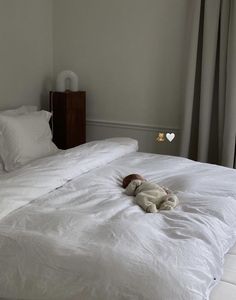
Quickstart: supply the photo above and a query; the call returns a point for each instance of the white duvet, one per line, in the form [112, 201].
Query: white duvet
[68, 231]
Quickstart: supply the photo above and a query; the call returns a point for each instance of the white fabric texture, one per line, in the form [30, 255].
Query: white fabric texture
[24, 138]
[24, 109]
[226, 289]
[69, 231]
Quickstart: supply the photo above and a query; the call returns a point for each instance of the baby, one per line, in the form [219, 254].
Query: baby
[150, 196]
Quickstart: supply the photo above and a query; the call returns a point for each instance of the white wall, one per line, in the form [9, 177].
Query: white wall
[129, 55]
[25, 51]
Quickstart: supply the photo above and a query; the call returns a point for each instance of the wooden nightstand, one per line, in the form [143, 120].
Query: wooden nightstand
[68, 118]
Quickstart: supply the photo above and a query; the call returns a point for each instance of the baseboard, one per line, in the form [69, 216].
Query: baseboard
[145, 134]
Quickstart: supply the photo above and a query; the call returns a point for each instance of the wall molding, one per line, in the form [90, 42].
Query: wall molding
[145, 134]
[130, 126]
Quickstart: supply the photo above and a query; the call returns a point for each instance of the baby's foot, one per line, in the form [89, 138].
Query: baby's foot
[151, 209]
[166, 207]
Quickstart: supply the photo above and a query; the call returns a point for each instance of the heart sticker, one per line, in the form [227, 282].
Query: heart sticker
[170, 136]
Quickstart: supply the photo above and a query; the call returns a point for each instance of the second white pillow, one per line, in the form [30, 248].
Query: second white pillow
[24, 138]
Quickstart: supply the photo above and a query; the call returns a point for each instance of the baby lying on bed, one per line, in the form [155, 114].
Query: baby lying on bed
[150, 196]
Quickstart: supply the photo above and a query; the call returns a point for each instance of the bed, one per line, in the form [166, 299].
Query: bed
[68, 230]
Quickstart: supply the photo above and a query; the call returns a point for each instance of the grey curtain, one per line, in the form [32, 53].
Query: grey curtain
[209, 128]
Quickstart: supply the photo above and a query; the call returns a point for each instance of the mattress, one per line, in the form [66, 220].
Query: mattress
[226, 288]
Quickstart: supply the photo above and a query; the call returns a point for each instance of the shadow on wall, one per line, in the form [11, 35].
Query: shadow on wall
[44, 96]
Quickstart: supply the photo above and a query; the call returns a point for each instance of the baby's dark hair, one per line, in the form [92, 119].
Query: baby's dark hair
[129, 178]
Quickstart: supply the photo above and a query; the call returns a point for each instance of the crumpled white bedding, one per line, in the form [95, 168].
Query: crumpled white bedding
[226, 289]
[44, 175]
[68, 231]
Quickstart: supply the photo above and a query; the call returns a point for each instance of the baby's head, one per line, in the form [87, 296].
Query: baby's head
[129, 178]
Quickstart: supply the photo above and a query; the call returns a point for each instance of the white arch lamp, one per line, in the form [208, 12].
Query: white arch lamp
[62, 78]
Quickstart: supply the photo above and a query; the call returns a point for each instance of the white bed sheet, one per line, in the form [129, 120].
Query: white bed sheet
[226, 289]
[85, 239]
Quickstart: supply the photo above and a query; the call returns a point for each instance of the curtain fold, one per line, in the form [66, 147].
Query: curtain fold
[209, 126]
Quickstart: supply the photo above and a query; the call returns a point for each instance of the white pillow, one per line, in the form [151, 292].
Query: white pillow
[24, 138]
[24, 109]
[19, 111]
